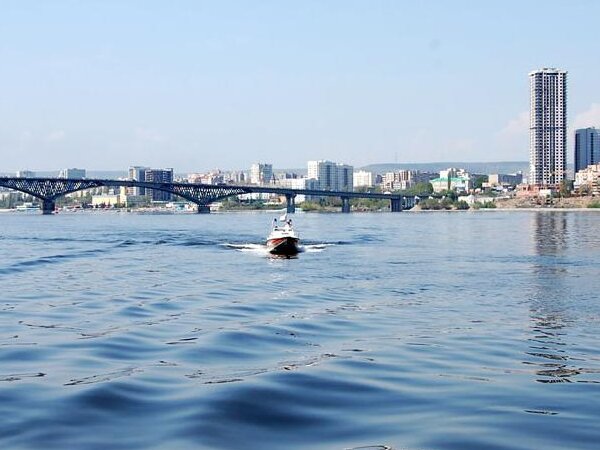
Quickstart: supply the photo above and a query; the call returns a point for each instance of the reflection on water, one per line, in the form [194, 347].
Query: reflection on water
[549, 233]
[549, 302]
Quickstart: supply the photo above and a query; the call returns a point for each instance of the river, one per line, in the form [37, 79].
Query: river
[415, 331]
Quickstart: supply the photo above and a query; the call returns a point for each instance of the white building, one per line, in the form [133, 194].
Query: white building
[72, 173]
[548, 126]
[107, 200]
[298, 183]
[456, 184]
[261, 173]
[363, 178]
[235, 177]
[458, 180]
[590, 177]
[331, 176]
[25, 174]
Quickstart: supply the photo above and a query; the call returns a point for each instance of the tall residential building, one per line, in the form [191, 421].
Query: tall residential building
[137, 173]
[331, 176]
[548, 126]
[72, 173]
[261, 173]
[159, 176]
[587, 147]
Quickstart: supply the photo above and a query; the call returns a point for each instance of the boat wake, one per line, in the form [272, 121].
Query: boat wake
[263, 250]
[259, 249]
[316, 248]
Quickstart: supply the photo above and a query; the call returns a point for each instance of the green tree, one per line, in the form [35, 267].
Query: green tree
[421, 189]
[461, 204]
[478, 184]
[430, 203]
[566, 187]
[447, 203]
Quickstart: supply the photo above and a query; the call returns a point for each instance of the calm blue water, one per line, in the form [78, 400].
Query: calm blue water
[414, 331]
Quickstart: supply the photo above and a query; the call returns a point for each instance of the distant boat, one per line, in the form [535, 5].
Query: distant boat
[283, 239]
[28, 207]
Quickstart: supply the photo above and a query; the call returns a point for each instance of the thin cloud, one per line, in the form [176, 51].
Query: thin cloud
[517, 126]
[588, 118]
[148, 135]
[55, 136]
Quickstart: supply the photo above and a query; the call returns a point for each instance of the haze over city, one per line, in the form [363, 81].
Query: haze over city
[198, 85]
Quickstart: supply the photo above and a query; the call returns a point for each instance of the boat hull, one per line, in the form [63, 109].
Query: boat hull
[283, 246]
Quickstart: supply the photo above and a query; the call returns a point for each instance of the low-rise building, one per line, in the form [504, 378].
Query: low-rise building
[104, 200]
[458, 184]
[589, 179]
[534, 190]
[458, 180]
[498, 179]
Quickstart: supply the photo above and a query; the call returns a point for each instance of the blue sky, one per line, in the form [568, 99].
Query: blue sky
[197, 85]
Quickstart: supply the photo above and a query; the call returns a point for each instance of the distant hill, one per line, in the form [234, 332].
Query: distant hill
[472, 167]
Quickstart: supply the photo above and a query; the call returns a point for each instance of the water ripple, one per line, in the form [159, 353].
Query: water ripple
[152, 332]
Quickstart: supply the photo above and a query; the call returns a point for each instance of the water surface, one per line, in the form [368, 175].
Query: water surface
[413, 331]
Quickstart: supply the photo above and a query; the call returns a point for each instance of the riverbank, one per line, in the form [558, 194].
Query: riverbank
[555, 203]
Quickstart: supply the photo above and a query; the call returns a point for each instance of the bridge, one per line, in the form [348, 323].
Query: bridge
[47, 190]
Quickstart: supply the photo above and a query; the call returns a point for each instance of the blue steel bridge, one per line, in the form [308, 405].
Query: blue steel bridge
[47, 190]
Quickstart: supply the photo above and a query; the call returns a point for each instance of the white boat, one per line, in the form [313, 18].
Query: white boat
[28, 207]
[283, 239]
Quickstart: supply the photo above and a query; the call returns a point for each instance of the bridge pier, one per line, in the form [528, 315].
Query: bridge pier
[345, 204]
[48, 206]
[203, 209]
[290, 200]
[396, 204]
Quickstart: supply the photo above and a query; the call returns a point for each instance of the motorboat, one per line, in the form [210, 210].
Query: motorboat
[283, 239]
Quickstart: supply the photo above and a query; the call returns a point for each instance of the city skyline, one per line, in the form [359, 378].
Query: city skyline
[198, 86]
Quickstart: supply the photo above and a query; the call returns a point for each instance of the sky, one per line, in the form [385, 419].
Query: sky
[197, 85]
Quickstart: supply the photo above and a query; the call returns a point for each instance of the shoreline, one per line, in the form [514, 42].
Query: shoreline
[279, 211]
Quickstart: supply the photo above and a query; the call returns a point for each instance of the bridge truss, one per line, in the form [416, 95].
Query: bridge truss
[49, 189]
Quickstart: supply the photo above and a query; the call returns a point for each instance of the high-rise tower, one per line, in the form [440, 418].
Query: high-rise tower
[587, 147]
[548, 126]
